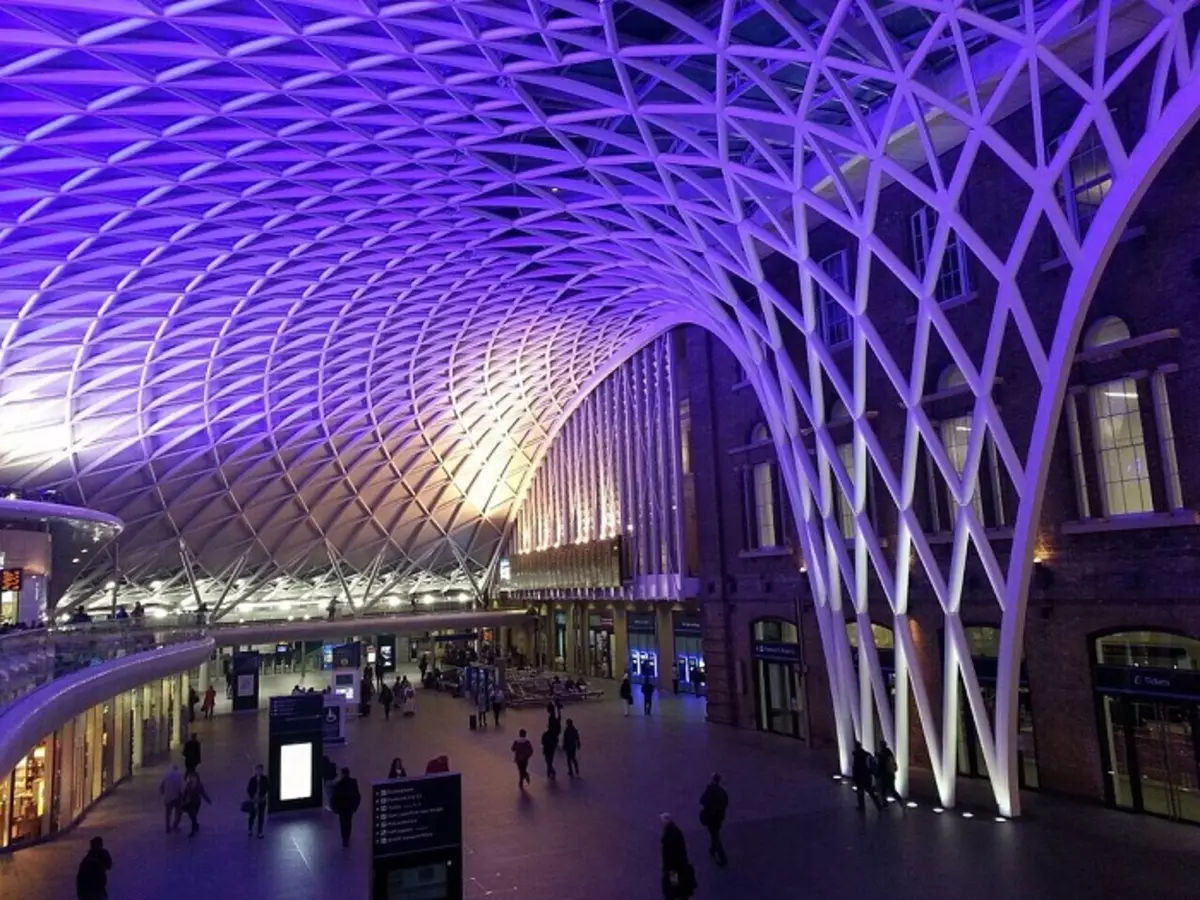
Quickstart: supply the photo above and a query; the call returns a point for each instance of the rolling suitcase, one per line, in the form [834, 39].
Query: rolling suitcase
[474, 722]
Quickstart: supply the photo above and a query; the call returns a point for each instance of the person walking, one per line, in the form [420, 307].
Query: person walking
[91, 880]
[191, 754]
[571, 744]
[554, 720]
[626, 693]
[678, 877]
[193, 793]
[397, 769]
[171, 791]
[208, 705]
[345, 802]
[497, 704]
[862, 778]
[329, 775]
[386, 699]
[522, 752]
[647, 694]
[422, 666]
[549, 748]
[483, 702]
[713, 804]
[885, 771]
[257, 790]
[192, 699]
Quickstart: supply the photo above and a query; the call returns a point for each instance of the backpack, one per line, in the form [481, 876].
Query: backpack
[522, 751]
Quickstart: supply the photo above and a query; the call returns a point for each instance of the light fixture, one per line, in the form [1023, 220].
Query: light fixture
[938, 810]
[75, 559]
[1001, 819]
[968, 815]
[110, 585]
[911, 804]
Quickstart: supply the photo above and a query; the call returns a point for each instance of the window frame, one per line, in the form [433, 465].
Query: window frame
[921, 231]
[1144, 482]
[1066, 187]
[826, 301]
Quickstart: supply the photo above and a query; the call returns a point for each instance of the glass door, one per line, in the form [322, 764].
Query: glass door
[778, 698]
[1153, 756]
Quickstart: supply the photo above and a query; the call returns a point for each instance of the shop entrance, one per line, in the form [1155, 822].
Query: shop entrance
[642, 641]
[600, 629]
[1148, 694]
[779, 700]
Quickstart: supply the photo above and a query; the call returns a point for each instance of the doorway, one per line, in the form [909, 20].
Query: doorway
[778, 698]
[1148, 701]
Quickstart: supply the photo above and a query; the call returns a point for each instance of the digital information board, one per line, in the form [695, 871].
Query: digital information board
[296, 742]
[416, 838]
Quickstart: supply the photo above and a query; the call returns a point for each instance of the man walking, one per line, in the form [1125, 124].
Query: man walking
[386, 699]
[171, 790]
[647, 694]
[861, 777]
[191, 754]
[345, 802]
[91, 881]
[713, 804]
[885, 768]
[522, 752]
[571, 744]
[549, 748]
[257, 790]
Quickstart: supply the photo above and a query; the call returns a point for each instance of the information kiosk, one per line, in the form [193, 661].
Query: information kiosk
[296, 746]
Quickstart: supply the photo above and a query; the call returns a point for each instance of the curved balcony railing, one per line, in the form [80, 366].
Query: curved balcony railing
[34, 657]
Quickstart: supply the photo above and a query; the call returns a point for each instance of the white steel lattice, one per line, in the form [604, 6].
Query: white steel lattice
[301, 280]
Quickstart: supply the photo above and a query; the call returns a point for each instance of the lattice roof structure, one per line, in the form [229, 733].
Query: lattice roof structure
[309, 285]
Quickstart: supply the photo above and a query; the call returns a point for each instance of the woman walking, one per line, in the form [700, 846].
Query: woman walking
[193, 793]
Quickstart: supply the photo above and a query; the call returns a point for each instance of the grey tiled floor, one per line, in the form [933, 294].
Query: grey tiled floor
[793, 832]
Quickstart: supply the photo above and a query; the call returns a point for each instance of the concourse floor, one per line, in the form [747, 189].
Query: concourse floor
[792, 832]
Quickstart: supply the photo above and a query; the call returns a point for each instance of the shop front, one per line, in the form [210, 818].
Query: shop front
[779, 702]
[560, 640]
[1148, 704]
[599, 645]
[689, 655]
[68, 771]
[642, 641]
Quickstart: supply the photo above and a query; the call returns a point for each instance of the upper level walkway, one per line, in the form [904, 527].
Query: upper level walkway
[32, 658]
[792, 831]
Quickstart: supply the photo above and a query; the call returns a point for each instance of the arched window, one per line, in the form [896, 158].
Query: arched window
[1109, 330]
[1149, 650]
[760, 434]
[764, 505]
[761, 498]
[950, 378]
[777, 630]
[839, 411]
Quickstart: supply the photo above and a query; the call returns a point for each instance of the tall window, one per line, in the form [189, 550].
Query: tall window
[1121, 447]
[1117, 432]
[845, 505]
[834, 320]
[1085, 181]
[955, 434]
[764, 505]
[953, 280]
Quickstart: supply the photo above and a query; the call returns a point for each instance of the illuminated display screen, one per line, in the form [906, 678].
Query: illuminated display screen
[295, 771]
[10, 580]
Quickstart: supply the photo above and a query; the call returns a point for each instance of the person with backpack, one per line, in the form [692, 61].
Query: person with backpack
[713, 804]
[345, 802]
[193, 793]
[571, 744]
[626, 693]
[522, 752]
[861, 776]
[386, 699]
[91, 880]
[885, 772]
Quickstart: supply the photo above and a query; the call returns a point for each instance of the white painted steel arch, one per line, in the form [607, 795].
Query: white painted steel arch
[309, 286]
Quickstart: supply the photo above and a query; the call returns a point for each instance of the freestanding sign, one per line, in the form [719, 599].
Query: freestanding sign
[416, 831]
[333, 723]
[245, 680]
[386, 652]
[297, 745]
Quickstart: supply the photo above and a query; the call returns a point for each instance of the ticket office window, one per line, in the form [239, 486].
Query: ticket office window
[689, 663]
[643, 655]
